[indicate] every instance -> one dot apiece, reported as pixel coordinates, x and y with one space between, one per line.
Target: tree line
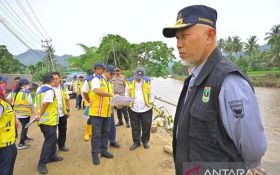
248 55
116 50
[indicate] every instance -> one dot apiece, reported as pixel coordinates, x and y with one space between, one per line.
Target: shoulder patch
237 108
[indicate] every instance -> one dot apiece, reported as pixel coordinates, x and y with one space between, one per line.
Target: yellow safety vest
100 106
146 88
7 125
88 80
50 117
64 100
21 104
80 85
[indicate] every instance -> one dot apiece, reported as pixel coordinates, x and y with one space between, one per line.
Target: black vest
201 136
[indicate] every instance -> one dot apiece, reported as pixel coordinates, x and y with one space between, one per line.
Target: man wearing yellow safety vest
74 88
23 105
46 103
79 92
100 112
141 110
63 111
87 93
8 150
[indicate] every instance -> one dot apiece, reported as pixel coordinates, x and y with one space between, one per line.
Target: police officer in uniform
217 117
47 104
8 149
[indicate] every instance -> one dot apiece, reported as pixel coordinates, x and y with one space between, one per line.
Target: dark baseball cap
139 73
110 68
191 15
98 65
23 81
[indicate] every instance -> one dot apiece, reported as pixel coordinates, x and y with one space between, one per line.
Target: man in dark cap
100 112
141 110
217 104
98 69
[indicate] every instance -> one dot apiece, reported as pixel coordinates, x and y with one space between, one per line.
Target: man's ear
211 35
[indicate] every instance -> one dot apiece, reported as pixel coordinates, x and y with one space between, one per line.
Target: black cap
98 65
23 81
139 73
188 16
110 68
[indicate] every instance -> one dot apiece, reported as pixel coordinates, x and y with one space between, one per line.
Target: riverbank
259 80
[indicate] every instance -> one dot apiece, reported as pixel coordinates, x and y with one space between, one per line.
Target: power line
13 31
16 22
19 19
29 18
37 18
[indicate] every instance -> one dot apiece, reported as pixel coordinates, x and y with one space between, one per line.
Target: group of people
51 110
217 117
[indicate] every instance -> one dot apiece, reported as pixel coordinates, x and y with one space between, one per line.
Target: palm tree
273 38
221 44
251 48
228 46
237 45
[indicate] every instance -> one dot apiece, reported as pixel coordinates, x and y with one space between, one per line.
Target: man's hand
120 106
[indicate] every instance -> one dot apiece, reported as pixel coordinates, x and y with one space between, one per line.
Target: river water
268 99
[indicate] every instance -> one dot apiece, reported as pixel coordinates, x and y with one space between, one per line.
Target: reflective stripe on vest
146 89
100 106
50 117
21 104
7 125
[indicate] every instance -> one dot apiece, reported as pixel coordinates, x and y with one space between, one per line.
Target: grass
263 72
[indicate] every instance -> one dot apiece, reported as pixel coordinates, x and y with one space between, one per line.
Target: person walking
217 117
119 84
63 111
22 102
100 112
141 110
47 105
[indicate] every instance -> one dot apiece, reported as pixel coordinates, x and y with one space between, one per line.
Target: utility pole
49 48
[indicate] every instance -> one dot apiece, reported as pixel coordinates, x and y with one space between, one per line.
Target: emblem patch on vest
237 108
206 94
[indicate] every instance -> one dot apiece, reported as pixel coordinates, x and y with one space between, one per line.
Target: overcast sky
69 22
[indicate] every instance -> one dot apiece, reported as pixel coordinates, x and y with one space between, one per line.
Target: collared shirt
49 95
95 83
57 91
85 87
242 131
139 104
119 85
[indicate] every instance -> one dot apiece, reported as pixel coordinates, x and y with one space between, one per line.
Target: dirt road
78 160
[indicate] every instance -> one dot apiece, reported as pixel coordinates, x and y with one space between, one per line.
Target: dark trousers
62 128
89 121
100 134
123 112
112 136
141 121
23 135
79 101
49 146
8 157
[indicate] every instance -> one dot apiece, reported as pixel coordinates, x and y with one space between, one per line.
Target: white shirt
85 87
49 95
139 104
1 110
30 102
57 91
95 83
